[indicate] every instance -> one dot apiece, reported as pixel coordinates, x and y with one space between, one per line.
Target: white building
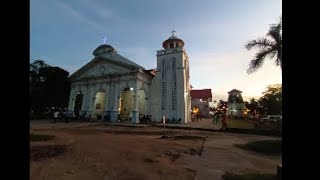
200 99
112 86
235 102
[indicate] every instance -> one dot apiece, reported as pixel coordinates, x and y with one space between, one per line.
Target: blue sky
64 33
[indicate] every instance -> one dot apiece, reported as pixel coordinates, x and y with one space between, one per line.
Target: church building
113 88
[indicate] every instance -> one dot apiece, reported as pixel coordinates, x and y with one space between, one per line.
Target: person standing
224 117
224 122
55 116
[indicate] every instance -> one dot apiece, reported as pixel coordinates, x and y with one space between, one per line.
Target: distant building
200 99
235 102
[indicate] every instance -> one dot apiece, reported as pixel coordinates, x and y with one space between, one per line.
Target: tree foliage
252 105
49 86
272 99
269 47
269 103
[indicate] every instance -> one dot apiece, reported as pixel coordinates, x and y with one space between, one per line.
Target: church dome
172 42
104 48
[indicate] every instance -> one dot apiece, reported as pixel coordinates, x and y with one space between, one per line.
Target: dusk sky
64 33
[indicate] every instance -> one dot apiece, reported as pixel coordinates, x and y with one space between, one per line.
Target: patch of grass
273 147
47 151
40 137
240 123
248 176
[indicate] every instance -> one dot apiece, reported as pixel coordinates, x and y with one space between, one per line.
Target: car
272 119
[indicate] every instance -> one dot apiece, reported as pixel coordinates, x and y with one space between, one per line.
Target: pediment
100 67
104 69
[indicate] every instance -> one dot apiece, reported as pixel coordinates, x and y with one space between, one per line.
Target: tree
270 46
252 105
272 99
35 78
49 86
222 104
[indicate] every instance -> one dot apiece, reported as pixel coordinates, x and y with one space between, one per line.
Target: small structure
235 103
200 99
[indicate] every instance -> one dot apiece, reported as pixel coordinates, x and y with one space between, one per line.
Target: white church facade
111 87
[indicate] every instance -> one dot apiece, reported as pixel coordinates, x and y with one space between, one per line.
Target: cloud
80 17
101 10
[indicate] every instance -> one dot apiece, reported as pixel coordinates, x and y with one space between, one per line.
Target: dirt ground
123 153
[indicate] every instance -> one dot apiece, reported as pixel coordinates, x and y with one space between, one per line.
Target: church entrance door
99 105
78 102
126 104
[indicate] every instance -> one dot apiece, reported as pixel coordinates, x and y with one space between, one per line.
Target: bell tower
173 79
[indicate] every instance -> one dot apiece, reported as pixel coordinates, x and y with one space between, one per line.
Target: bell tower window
171 45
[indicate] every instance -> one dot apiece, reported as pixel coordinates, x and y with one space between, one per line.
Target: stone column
135 112
84 98
70 106
91 100
74 94
107 102
105 113
115 97
148 98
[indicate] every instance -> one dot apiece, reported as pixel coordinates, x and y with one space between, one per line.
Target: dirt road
109 153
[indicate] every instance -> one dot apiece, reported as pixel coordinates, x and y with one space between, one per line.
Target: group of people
196 117
221 113
220 116
69 116
145 118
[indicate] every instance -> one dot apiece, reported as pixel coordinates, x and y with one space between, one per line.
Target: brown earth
109 153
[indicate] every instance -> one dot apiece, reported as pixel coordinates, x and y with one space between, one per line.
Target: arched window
171 45
163 69
174 85
78 102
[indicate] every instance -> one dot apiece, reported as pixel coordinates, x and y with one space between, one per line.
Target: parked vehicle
271 119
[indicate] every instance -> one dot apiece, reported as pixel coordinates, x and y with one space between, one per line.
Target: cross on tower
104 40
173 31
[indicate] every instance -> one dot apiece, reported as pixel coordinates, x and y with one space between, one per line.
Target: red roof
201 93
151 71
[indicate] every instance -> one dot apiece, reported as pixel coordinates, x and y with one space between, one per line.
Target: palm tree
268 47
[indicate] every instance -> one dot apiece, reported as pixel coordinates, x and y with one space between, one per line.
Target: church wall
181 109
142 102
155 104
187 88
181 106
